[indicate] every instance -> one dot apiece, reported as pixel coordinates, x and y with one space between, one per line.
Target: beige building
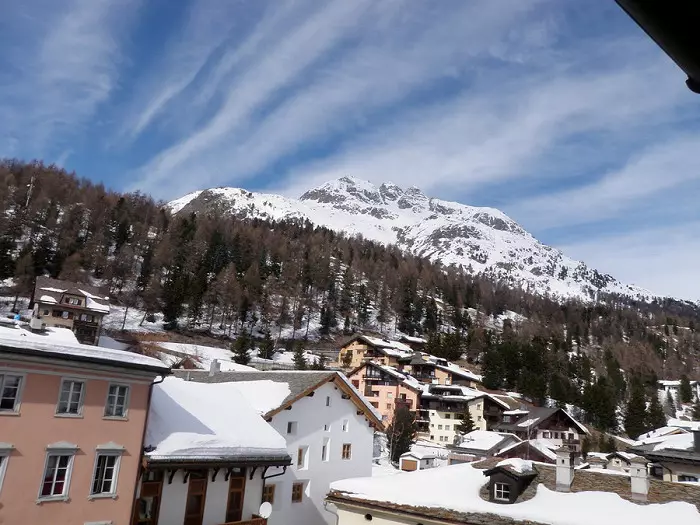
365 348
72 421
676 458
79 307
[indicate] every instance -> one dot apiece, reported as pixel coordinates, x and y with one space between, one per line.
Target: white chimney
565 469
215 367
639 478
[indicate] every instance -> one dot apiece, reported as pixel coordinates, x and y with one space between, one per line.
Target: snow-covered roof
418 454
411 339
191 421
529 422
392 348
483 440
544 446
457 370
676 442
659 432
206 355
61 343
456 489
264 395
518 465
518 412
406 379
47 299
51 291
685 425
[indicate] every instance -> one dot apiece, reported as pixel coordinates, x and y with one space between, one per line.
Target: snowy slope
481 240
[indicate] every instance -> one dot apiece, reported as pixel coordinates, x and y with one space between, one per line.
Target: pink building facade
72 420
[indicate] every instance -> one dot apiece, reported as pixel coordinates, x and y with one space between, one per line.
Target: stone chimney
639 478
565 469
215 367
696 440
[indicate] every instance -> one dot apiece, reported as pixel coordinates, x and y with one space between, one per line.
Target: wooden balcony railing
255 520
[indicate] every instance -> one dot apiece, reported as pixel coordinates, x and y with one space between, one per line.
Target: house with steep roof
429 369
203 466
479 444
72 422
673 458
79 307
513 491
552 424
444 406
328 428
385 388
538 449
366 348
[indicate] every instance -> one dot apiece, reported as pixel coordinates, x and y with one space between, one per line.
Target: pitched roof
543 446
406 380
299 382
392 348
484 440
49 290
538 415
186 425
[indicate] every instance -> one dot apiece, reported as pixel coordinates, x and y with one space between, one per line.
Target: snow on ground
107 342
205 355
186 421
456 487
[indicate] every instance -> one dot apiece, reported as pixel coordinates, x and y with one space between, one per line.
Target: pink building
386 388
72 422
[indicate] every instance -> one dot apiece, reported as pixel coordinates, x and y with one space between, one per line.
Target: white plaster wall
173 500
311 414
253 493
217 499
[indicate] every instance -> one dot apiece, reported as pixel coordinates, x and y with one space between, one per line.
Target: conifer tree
636 413
670 405
267 347
466 425
240 349
346 359
299 359
655 415
685 392
696 410
320 363
401 433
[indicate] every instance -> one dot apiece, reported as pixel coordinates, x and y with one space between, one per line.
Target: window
448 416
70 401
326 428
328 401
236 490
269 494
388 406
9 392
297 492
302 454
326 449
501 492
72 300
87 318
45 312
545 435
439 427
104 481
447 427
571 436
347 451
374 404
685 477
117 400
389 395
346 425
432 438
56 476
292 427
4 458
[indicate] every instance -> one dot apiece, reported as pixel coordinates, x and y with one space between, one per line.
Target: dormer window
501 492
72 301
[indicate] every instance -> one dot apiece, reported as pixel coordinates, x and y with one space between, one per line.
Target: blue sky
562 114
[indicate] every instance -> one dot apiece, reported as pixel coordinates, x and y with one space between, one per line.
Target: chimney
215 367
565 469
639 478
696 440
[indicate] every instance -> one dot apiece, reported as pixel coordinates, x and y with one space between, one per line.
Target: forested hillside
289 280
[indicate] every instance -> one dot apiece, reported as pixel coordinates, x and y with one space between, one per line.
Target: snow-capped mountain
482 240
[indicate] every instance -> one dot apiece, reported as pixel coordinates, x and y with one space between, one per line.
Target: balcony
255 520
405 403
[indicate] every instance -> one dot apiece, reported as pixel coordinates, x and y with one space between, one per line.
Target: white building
674 387
329 431
208 454
410 461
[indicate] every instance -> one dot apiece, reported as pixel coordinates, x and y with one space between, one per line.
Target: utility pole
29 191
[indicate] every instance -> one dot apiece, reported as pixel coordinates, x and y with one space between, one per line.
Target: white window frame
106 452
81 402
127 398
342 452
18 400
58 450
5 452
499 494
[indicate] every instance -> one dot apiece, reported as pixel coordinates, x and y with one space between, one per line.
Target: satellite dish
265 510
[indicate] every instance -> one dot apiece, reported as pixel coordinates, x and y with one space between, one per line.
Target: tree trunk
126 311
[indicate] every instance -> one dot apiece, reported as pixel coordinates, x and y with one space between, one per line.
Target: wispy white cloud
69 70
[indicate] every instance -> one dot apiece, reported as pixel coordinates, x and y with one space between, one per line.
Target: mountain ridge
482 240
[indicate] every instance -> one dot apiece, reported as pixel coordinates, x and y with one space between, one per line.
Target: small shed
410 461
